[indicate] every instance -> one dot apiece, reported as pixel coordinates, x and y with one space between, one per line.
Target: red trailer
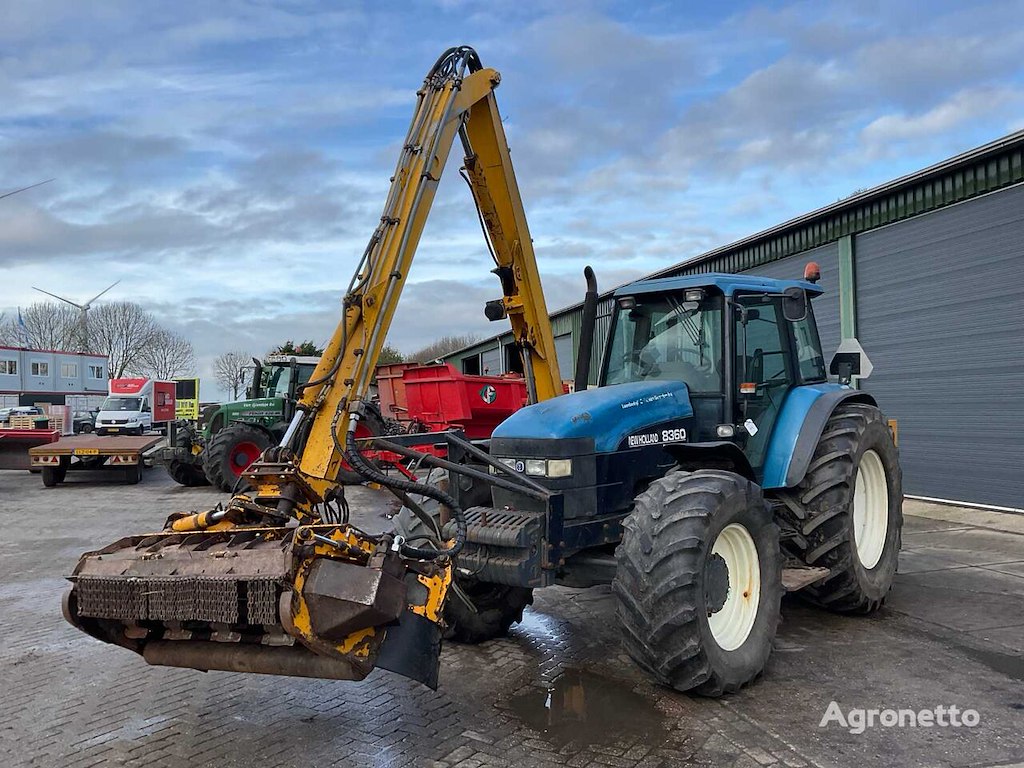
436 398
439 397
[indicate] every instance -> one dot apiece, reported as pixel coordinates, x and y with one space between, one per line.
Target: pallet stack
27 421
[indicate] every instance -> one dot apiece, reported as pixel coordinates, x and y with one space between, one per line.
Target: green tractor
230 436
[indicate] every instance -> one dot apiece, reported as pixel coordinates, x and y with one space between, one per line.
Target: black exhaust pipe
586 331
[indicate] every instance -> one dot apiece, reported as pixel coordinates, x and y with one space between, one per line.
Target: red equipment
439 398
435 398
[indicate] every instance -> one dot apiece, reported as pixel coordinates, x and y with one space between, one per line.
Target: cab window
658 336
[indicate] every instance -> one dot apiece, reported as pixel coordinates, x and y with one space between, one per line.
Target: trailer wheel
133 473
230 452
189 475
699 581
53 476
848 511
496 607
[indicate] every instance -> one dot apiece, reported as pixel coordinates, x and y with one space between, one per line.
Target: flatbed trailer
117 452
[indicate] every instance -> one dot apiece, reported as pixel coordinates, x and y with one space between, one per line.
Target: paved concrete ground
559 691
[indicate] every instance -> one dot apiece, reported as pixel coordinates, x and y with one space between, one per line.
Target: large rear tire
230 452
496 607
189 475
848 511
699 581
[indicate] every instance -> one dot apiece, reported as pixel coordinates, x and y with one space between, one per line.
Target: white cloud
234 159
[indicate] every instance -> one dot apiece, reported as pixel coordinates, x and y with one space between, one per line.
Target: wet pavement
558 691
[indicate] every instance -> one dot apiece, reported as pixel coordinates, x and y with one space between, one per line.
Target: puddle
589 709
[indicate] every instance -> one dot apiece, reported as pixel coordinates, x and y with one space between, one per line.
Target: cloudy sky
228 161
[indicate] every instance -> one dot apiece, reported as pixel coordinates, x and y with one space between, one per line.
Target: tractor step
795 579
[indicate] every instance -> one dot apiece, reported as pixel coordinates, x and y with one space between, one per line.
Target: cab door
763 369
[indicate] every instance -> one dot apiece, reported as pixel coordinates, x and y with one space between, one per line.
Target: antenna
83 313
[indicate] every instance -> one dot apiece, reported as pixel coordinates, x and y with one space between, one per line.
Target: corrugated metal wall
826 306
941 315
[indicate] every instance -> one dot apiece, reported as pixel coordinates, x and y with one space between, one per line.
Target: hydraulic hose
371 473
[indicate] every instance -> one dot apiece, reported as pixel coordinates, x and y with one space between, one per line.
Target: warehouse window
69 370
95 371
513 359
40 369
471 365
8 367
490 362
563 349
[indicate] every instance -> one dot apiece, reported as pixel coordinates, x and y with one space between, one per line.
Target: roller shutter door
826 306
940 305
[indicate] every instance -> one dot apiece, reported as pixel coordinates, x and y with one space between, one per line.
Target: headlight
539 467
559 467
536 467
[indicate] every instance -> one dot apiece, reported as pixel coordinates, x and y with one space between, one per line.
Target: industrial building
923 271
34 376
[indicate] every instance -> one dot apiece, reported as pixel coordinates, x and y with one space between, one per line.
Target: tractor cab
738 343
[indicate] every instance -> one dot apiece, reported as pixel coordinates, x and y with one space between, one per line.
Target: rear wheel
495 607
848 511
698 581
189 475
230 452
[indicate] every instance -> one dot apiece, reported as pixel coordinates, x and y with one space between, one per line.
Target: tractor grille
179 598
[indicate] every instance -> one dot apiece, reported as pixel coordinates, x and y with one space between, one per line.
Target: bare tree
443 346
229 371
123 331
47 326
168 356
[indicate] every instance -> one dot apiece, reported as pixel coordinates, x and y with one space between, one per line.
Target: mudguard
799 427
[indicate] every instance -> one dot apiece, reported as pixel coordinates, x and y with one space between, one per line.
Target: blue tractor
713 468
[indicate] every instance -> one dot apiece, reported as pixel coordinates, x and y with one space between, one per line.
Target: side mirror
794 305
845 365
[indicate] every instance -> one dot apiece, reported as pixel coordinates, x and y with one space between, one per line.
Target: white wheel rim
870 509
730 627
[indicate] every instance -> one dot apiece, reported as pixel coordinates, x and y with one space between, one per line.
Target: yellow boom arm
457 99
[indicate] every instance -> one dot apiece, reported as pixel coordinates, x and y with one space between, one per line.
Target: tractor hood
607 415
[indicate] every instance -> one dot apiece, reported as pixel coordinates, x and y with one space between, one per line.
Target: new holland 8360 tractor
712 469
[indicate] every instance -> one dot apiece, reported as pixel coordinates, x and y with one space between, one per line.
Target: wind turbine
83 313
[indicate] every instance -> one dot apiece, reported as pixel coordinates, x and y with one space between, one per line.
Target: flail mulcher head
212 593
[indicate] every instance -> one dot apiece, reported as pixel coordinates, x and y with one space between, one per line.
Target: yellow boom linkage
278 581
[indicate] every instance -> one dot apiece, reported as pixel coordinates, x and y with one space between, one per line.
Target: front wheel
699 581
848 511
230 452
474 611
